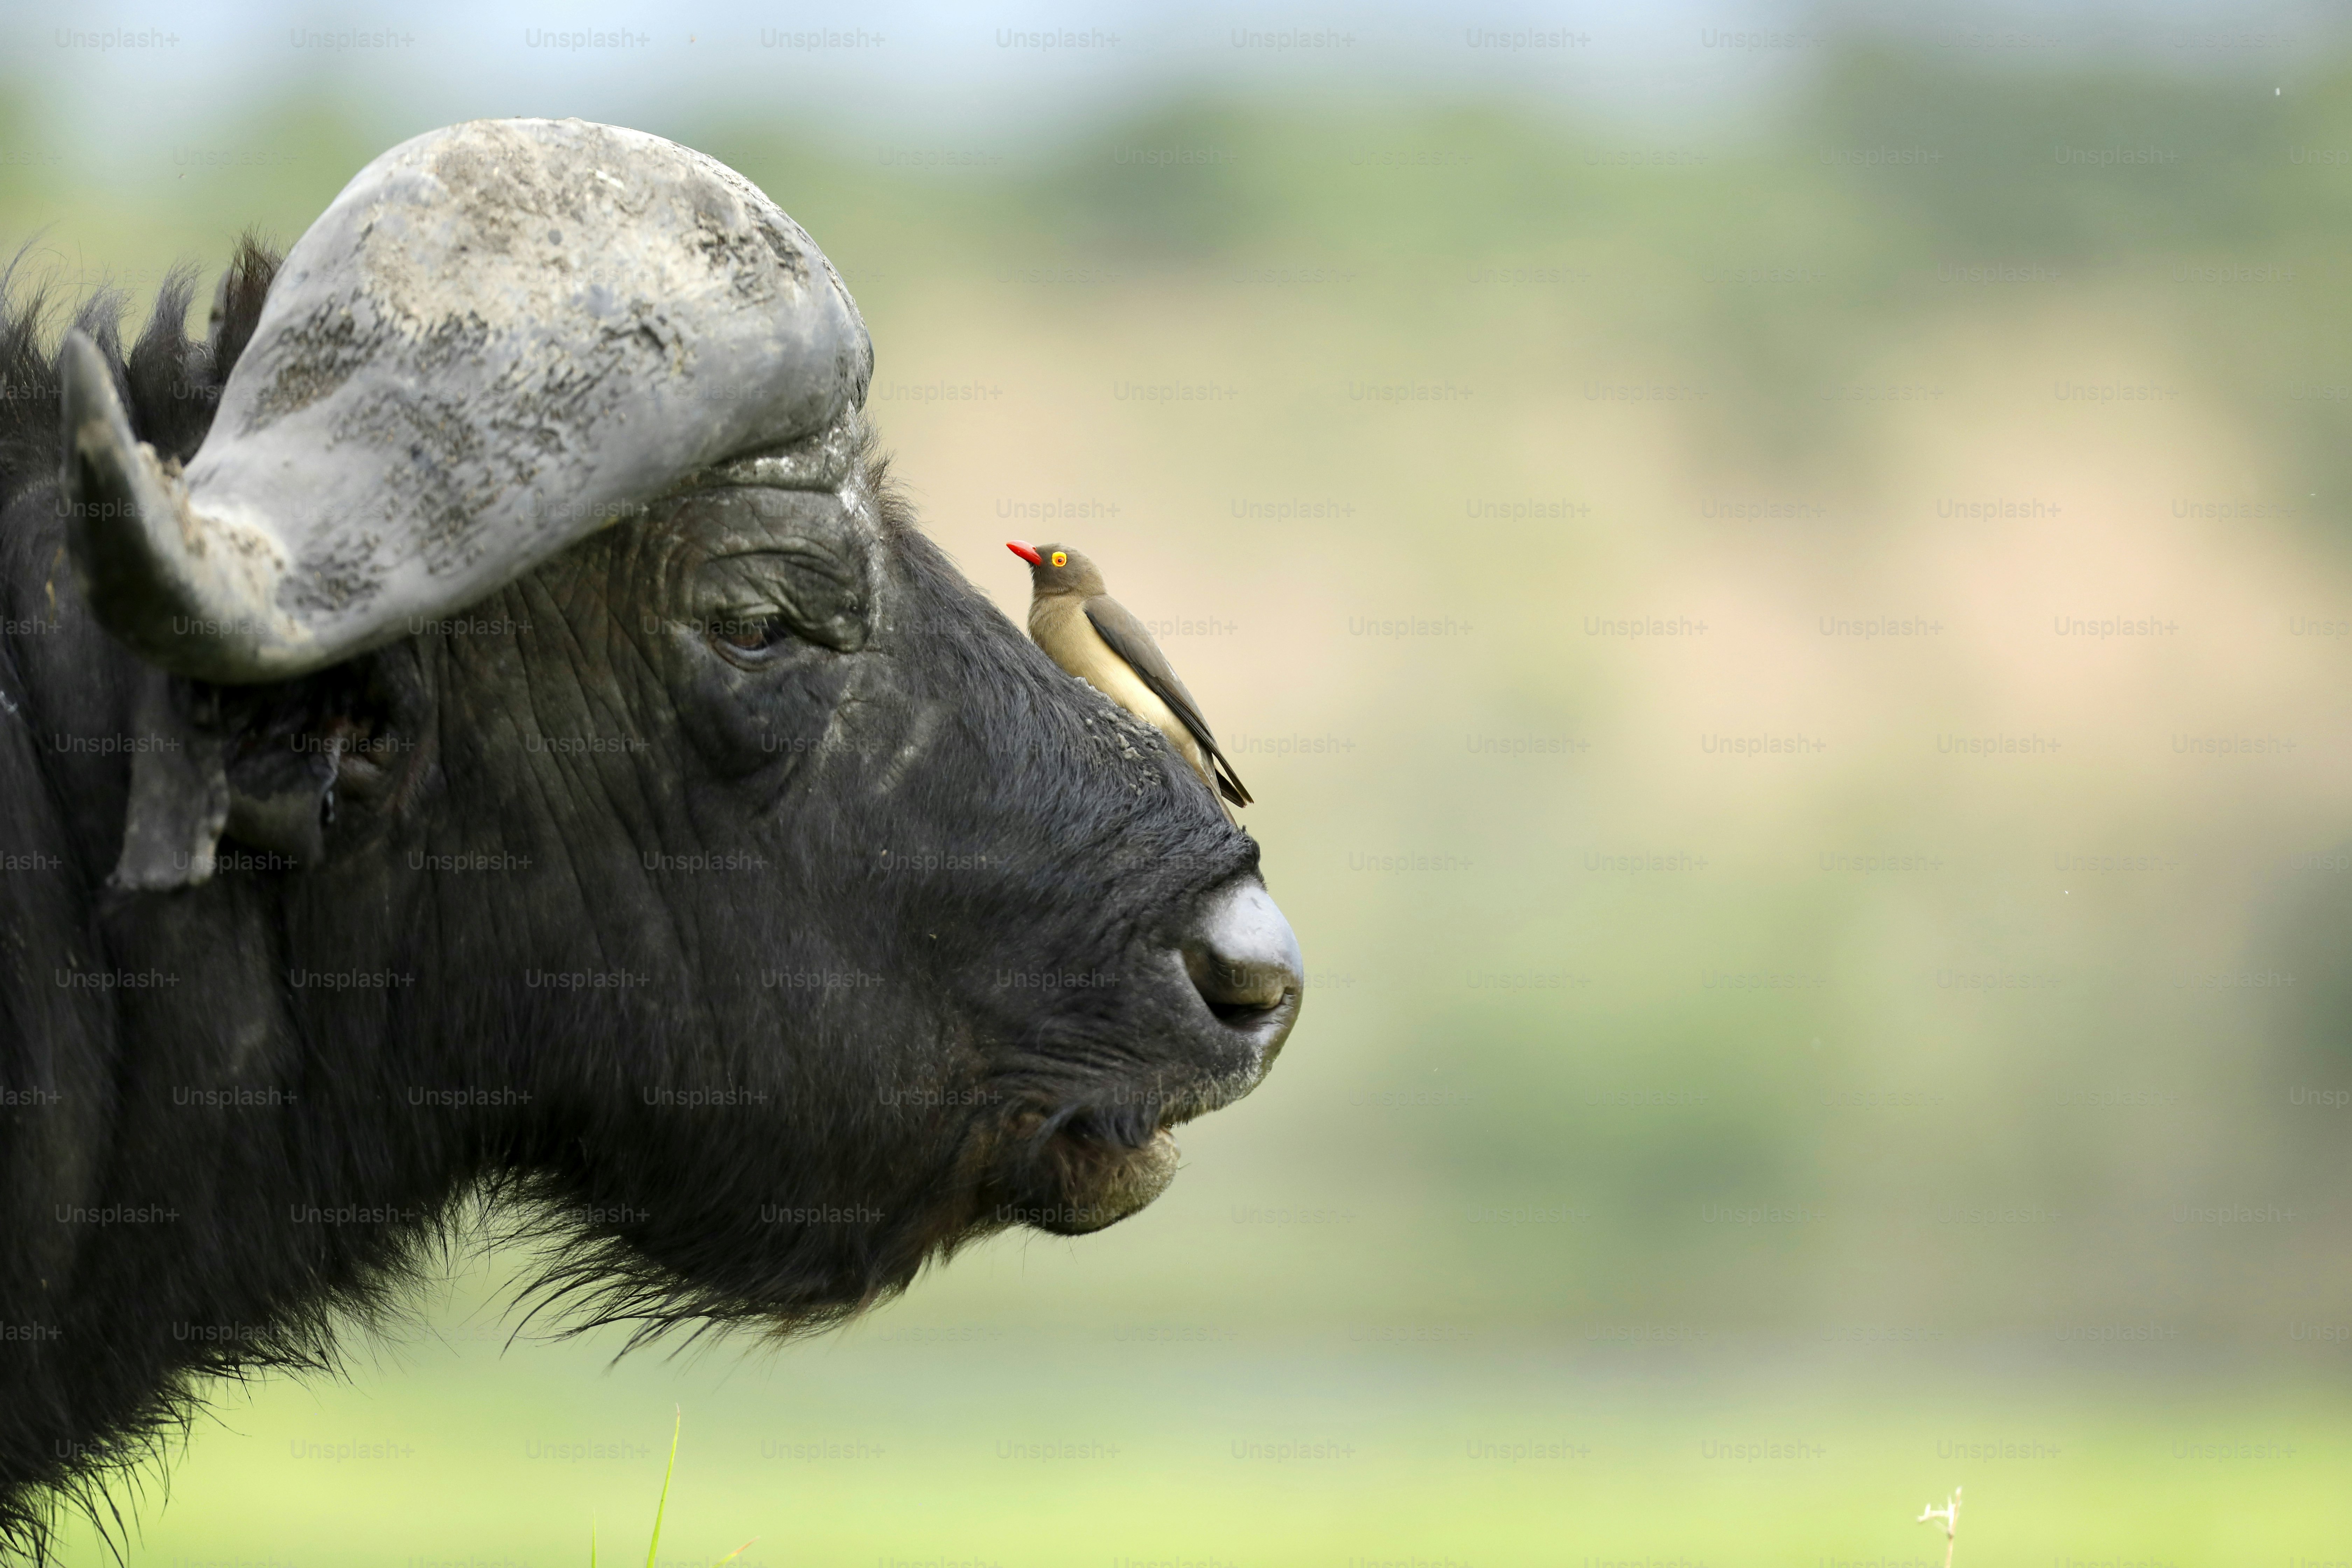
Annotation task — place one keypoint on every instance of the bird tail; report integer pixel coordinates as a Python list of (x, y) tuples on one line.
[(1229, 784)]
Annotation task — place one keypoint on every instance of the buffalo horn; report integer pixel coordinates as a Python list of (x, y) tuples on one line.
[(500, 337)]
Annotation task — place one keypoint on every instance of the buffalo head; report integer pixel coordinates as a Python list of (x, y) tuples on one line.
[(564, 767)]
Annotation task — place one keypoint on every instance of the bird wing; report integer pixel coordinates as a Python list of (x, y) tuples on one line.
[(1132, 641)]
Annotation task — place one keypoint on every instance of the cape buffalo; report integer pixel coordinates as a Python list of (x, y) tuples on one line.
[(480, 722)]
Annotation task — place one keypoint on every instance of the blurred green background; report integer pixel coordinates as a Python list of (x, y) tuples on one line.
[(1796, 659)]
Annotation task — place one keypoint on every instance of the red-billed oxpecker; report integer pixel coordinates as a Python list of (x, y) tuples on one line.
[(1099, 640)]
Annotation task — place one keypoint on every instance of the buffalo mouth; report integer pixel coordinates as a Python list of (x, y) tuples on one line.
[(1073, 1162)]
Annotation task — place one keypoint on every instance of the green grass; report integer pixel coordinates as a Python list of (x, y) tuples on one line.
[(653, 1546), (925, 1439)]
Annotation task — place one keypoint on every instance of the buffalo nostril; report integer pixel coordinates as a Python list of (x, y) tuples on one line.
[(1243, 958)]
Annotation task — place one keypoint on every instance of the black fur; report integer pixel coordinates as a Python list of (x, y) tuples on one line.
[(922, 974)]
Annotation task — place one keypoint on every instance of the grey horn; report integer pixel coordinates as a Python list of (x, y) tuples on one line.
[(500, 337)]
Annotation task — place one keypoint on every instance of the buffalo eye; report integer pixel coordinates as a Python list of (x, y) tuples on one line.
[(750, 633), (778, 567)]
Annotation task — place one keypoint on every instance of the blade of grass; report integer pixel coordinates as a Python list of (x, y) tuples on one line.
[(658, 1508)]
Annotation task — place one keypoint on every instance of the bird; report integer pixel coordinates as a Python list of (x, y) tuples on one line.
[(1094, 637)]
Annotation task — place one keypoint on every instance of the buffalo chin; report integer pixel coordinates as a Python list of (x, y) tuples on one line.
[(1128, 1183), (1077, 1182)]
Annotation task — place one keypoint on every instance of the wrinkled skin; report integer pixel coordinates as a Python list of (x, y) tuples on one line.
[(875, 932)]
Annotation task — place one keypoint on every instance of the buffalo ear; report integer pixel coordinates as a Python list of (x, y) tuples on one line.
[(198, 773), (179, 791), (261, 764)]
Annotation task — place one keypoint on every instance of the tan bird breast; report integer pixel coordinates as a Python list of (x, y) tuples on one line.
[(1059, 625)]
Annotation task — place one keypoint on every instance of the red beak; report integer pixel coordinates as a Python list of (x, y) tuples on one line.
[(1027, 552)]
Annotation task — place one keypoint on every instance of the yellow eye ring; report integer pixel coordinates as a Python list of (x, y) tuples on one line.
[(1061, 558)]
